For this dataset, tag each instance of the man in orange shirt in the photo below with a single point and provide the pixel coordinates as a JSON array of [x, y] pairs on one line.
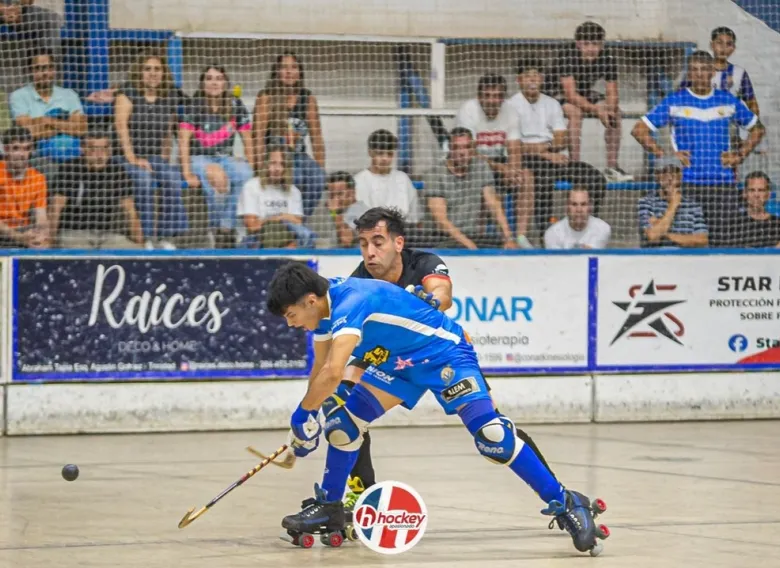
[[23, 222]]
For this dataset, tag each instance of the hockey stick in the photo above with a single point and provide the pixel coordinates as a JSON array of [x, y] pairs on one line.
[[190, 516], [287, 463]]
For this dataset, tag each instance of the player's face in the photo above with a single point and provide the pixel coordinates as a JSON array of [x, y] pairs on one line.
[[303, 314], [723, 46], [275, 167], [380, 250], [491, 99], [578, 207], [589, 50], [17, 155], [152, 73], [43, 72], [756, 193], [700, 75], [214, 83], [530, 83], [381, 161], [289, 71]]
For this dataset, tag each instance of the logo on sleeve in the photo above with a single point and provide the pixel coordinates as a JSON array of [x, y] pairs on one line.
[[377, 356], [442, 269]]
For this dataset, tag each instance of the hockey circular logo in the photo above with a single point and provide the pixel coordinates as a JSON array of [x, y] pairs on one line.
[[390, 517]]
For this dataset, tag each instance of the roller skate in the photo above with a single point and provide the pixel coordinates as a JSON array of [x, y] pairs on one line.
[[356, 487], [577, 517], [317, 517]]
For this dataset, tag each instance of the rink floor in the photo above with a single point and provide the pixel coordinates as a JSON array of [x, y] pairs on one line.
[[687, 494]]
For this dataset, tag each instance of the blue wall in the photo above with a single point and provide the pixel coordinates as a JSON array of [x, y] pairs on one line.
[[766, 10]]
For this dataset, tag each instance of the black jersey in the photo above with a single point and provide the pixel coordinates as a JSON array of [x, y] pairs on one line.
[[417, 266]]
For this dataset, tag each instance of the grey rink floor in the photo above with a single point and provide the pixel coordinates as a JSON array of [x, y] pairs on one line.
[[687, 494]]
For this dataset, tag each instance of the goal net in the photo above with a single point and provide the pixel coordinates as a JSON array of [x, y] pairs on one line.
[[502, 124]]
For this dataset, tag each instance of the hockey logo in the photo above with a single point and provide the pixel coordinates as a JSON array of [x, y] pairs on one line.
[[447, 374], [390, 517], [648, 315], [377, 356]]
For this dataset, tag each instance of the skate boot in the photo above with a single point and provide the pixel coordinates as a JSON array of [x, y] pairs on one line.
[[356, 487], [317, 517], [577, 517]]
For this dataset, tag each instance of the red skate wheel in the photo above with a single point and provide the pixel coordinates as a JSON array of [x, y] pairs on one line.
[[306, 541], [335, 539], [602, 532], [599, 506]]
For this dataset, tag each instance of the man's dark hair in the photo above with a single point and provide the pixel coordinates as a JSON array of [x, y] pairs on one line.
[[97, 133], [589, 31], [393, 218], [290, 284], [759, 175], [17, 135], [491, 81], [529, 64], [382, 141], [459, 131], [700, 56], [340, 176], [723, 30]]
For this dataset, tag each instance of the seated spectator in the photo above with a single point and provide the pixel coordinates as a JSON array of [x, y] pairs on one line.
[[23, 222], [334, 218], [92, 201], [700, 118], [271, 200], [206, 139], [755, 227], [496, 131], [286, 113], [577, 71], [666, 218], [382, 185], [144, 118], [52, 114], [455, 191], [579, 229]]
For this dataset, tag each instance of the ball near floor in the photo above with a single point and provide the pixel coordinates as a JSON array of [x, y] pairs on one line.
[[70, 472]]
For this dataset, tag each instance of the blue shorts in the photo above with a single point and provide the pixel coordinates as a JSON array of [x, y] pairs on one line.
[[452, 386]]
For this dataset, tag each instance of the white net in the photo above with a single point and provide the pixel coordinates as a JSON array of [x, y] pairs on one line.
[[169, 168]]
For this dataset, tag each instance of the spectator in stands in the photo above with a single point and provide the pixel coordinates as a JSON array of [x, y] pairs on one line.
[[667, 219], [496, 130], [382, 185], [574, 81], [334, 217], [579, 229], [23, 222], [92, 201], [755, 227], [145, 118], [700, 118], [286, 112], [270, 205], [52, 114], [456, 191], [206, 139]]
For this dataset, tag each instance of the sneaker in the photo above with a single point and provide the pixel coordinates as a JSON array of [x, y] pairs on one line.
[[356, 487], [523, 242], [167, 245], [617, 175]]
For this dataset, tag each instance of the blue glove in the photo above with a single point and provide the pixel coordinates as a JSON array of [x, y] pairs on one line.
[[426, 297], [305, 431]]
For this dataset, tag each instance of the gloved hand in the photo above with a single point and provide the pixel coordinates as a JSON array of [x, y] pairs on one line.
[[338, 398], [305, 432], [426, 297]]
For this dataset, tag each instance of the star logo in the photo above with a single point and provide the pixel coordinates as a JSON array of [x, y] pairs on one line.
[[401, 364], [647, 311]]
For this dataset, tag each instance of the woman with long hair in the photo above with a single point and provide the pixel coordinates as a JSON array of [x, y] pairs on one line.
[[144, 119], [206, 139], [286, 113]]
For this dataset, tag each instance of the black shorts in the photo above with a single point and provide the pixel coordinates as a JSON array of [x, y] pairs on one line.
[[502, 186], [591, 96]]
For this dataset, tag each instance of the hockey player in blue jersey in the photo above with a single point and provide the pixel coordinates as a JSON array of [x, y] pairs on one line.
[[402, 337]]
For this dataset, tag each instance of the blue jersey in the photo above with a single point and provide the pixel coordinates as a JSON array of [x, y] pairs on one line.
[[701, 126], [410, 346]]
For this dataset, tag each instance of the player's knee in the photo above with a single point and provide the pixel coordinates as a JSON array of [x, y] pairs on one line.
[[217, 178], [497, 442], [344, 430]]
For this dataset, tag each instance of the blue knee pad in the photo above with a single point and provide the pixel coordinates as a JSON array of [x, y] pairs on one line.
[[345, 425], [494, 434], [338, 398]]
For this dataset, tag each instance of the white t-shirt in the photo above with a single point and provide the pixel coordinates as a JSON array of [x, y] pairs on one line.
[[268, 201], [393, 190], [539, 120], [595, 235], [490, 136]]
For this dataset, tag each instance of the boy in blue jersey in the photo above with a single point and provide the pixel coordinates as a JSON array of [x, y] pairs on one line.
[[411, 348], [700, 118]]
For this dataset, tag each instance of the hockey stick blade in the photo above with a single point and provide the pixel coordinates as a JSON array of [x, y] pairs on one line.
[[287, 463]]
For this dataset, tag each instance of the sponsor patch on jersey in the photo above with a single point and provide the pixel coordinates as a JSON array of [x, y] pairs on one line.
[[377, 355], [459, 389], [442, 269], [447, 374]]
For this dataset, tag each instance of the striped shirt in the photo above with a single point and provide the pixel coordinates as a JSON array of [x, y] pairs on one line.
[[688, 219]]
